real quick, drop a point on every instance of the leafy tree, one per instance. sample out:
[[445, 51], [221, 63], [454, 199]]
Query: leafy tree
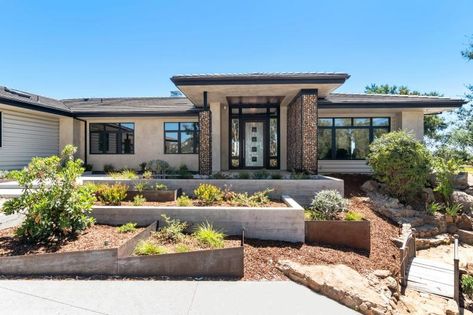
[[53, 203], [433, 124]]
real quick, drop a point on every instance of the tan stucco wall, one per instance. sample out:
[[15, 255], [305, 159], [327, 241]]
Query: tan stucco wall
[[413, 122], [66, 131], [149, 145]]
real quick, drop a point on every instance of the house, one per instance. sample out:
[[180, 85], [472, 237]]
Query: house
[[224, 122]]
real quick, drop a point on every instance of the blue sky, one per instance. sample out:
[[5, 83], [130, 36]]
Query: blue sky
[[130, 48]]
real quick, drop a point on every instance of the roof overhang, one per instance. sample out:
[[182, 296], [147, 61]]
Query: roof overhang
[[283, 85]]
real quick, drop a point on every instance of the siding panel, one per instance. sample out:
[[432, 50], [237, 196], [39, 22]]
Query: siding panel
[[344, 166], [26, 136]]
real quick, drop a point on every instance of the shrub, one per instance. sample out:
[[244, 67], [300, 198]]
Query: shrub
[[161, 186], [310, 214], [353, 216], [147, 174], [140, 186], [108, 168], [53, 203], [302, 175], [3, 174], [184, 172], [259, 198], [467, 285], [433, 208], [401, 162], [328, 203], [182, 248], [453, 209], [261, 174], [244, 175], [88, 167], [144, 248], [184, 201], [127, 228], [208, 236], [172, 230], [139, 200], [124, 174], [220, 175], [208, 194], [276, 176], [112, 194], [158, 166], [143, 167], [445, 171]]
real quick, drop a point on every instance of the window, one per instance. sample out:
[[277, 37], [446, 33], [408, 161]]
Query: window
[[349, 138], [112, 138], [181, 137]]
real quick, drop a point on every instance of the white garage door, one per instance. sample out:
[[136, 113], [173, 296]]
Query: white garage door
[[25, 136]]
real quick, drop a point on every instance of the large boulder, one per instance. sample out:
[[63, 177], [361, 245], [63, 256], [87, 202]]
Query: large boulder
[[464, 199], [462, 180], [464, 222], [370, 186]]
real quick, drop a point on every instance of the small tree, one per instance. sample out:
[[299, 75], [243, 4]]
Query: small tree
[[401, 162], [53, 203]]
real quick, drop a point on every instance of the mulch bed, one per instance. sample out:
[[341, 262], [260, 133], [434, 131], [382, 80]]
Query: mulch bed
[[96, 237], [195, 203], [261, 257]]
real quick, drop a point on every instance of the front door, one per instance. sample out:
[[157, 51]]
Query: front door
[[254, 144]]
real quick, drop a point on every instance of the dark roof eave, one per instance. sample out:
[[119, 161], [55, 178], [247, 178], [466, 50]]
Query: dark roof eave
[[137, 114], [36, 107], [255, 81]]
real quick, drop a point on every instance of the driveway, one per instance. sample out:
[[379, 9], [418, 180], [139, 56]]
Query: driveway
[[162, 297]]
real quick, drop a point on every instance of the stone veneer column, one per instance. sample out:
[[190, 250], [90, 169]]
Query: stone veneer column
[[302, 132], [205, 142]]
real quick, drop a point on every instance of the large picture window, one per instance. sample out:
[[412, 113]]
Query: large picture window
[[181, 137], [349, 138], [112, 138]]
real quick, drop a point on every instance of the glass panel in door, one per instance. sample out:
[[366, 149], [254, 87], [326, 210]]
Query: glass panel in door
[[254, 148]]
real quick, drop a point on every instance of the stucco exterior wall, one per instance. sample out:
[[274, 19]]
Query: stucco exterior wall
[[149, 144], [413, 122]]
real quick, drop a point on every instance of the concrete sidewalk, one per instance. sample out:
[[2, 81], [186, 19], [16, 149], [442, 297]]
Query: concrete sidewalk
[[162, 297]]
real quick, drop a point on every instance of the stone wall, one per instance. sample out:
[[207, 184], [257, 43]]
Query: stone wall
[[205, 143], [302, 132]]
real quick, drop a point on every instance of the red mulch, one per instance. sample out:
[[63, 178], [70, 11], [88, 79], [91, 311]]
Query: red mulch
[[96, 237]]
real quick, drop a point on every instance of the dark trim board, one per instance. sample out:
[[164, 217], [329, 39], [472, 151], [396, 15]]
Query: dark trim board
[[325, 105], [137, 114], [40, 108]]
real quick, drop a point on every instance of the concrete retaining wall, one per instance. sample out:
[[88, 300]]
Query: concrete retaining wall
[[301, 190], [354, 234], [283, 224]]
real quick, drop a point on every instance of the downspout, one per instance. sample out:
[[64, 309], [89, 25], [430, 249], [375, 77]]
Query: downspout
[[85, 139]]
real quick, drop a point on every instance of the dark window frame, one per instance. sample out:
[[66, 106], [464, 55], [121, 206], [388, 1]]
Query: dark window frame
[[195, 132], [105, 134], [333, 129]]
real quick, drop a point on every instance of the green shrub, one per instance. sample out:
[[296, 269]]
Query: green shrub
[[302, 175], [433, 208], [329, 203], [182, 248], [144, 248], [445, 171], [172, 230], [160, 186], [208, 194], [124, 174], [261, 174], [88, 167], [184, 201], [259, 198], [139, 200], [208, 236], [220, 175], [53, 203], [127, 228], [108, 168], [453, 209], [467, 285], [184, 172], [112, 195], [353, 216], [310, 215], [243, 175], [158, 166], [147, 174], [401, 162], [276, 176], [140, 186]]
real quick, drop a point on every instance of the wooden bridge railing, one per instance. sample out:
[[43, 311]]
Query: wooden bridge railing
[[408, 251]]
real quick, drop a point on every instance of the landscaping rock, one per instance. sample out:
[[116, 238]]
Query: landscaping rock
[[437, 240], [452, 308], [469, 191], [464, 199], [380, 273], [370, 186], [465, 236], [340, 283], [428, 195], [464, 222], [462, 180]]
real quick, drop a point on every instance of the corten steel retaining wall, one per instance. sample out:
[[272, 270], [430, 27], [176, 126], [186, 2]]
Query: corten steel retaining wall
[[301, 190], [282, 224], [354, 234], [227, 262]]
